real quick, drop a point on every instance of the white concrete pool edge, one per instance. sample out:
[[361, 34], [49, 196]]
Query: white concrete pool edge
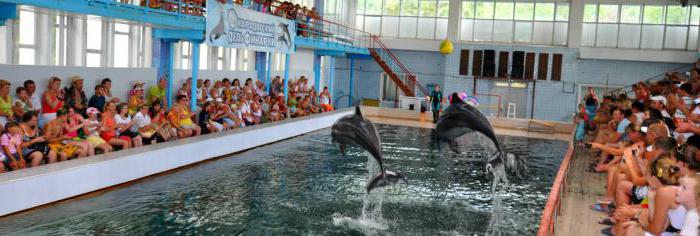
[[29, 188]]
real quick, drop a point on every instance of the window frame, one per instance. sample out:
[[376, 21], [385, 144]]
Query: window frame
[[436, 18], [514, 21], [689, 25]]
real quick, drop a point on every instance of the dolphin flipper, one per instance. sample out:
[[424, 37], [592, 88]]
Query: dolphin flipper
[[385, 178], [342, 148]]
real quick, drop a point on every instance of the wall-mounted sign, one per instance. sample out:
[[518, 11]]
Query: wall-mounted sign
[[230, 25]]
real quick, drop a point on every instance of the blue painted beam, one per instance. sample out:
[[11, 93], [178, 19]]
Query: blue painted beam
[[319, 44], [115, 9], [189, 35], [332, 53], [358, 56], [7, 11]]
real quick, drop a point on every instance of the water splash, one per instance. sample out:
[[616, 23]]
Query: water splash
[[371, 221], [497, 214]]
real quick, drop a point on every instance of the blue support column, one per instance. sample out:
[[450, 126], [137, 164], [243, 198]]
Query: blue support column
[[331, 74], [260, 65], [195, 74], [286, 77], [269, 71], [352, 82], [163, 60], [171, 73], [317, 73]]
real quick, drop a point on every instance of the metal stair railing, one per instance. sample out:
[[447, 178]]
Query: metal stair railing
[[396, 66]]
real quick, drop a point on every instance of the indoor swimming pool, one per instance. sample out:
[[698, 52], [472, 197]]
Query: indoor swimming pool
[[304, 186]]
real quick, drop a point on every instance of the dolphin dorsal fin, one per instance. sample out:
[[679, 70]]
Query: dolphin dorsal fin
[[357, 111], [454, 99]]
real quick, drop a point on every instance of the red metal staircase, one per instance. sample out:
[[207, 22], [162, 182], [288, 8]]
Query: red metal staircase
[[394, 69]]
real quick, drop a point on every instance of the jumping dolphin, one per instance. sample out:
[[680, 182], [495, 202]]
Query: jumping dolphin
[[357, 131], [460, 118], [219, 30], [286, 37]]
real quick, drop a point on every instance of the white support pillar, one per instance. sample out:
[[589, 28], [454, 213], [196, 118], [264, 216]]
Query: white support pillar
[[575, 23], [453, 19], [147, 47], [44, 45], [350, 13], [177, 54], [227, 59], [134, 44], [213, 56], [108, 43], [5, 44], [75, 45], [240, 56]]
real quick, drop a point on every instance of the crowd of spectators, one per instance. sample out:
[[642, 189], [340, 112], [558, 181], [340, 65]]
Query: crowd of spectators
[[647, 143], [305, 17], [62, 123]]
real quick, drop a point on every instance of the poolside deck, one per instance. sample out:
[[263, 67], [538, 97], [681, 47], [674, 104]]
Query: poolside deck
[[502, 126], [582, 189]]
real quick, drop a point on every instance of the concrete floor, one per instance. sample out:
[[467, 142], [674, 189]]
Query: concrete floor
[[582, 190], [425, 122]]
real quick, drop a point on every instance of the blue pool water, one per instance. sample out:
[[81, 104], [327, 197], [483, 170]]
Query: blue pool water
[[303, 186]]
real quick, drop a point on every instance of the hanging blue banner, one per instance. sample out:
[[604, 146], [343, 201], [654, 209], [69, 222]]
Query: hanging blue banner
[[230, 25]]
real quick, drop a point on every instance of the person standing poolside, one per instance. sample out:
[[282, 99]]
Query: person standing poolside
[[591, 103], [436, 102]]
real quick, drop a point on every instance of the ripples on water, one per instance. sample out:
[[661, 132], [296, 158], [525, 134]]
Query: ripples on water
[[304, 186]]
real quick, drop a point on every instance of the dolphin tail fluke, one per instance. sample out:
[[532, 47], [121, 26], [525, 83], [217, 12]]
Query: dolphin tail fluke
[[384, 179], [515, 163], [454, 146]]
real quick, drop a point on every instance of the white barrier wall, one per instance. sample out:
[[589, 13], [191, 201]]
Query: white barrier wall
[[29, 188]]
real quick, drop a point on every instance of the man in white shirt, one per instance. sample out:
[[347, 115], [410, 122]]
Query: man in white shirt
[[33, 96]]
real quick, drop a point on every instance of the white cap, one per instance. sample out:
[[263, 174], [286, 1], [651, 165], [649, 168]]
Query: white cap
[[659, 98], [210, 100], [219, 100]]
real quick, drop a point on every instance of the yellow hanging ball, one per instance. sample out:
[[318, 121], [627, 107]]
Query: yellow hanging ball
[[446, 47]]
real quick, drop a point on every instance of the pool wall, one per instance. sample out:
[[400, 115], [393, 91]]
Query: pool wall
[[29, 188]]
